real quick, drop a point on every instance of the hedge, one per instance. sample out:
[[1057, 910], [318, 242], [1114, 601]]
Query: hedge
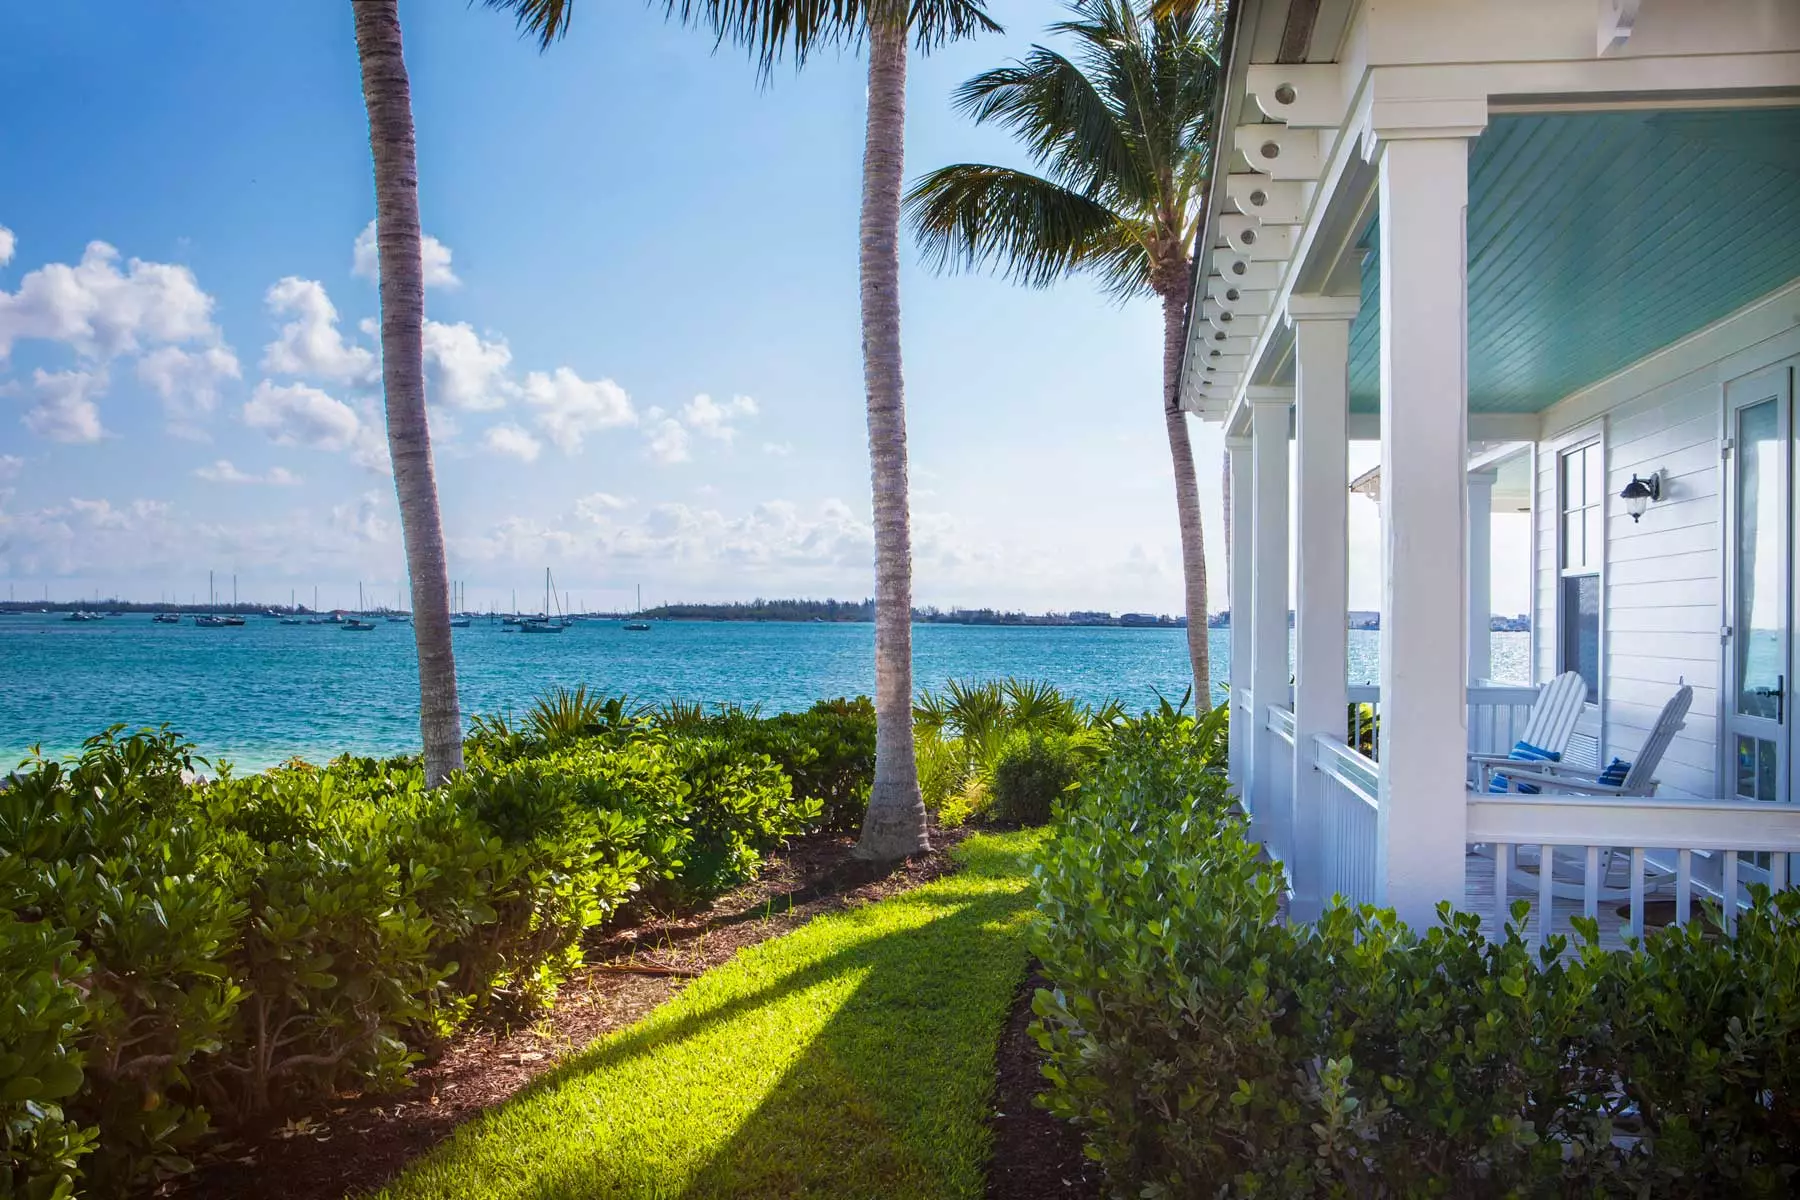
[[177, 953], [1207, 1047]]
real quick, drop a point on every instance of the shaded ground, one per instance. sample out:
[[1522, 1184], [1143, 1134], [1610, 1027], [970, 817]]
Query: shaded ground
[[357, 1143], [1035, 1154], [853, 1058]]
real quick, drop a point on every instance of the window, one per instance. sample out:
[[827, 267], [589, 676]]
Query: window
[[1582, 505]]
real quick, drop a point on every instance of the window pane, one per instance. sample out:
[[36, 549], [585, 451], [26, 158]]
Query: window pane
[[1581, 630], [1595, 538], [1596, 475], [1571, 487], [1761, 566], [1572, 552]]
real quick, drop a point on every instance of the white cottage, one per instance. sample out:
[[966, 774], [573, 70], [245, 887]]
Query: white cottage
[[1554, 243]]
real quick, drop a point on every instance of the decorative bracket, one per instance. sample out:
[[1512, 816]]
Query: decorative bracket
[[1280, 152], [1618, 18], [1300, 95], [1257, 195]]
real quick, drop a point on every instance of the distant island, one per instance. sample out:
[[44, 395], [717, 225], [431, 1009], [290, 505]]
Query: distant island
[[864, 611]]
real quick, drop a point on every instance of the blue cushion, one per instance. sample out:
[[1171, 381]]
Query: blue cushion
[[1523, 752], [1615, 772]]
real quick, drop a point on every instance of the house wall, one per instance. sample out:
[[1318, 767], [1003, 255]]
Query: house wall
[[1662, 578]]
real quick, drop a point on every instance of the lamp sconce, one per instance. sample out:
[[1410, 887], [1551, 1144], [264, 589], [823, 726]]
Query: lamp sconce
[[1640, 493]]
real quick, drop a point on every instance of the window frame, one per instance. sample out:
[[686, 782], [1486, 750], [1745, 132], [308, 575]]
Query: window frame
[[1593, 561]]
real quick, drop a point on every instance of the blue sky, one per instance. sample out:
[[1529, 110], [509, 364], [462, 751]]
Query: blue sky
[[644, 359]]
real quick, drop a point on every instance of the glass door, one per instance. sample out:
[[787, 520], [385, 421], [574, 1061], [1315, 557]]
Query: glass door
[[1760, 746]]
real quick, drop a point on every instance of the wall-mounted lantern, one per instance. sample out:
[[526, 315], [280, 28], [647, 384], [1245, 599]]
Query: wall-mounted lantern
[[1639, 494]]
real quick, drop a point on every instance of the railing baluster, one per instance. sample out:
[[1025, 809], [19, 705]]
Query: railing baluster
[[1590, 884], [1777, 872], [1684, 885], [1729, 892], [1546, 890], [1502, 857], [1637, 893]]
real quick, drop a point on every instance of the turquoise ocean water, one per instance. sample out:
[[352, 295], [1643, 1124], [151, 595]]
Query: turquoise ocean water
[[266, 691]]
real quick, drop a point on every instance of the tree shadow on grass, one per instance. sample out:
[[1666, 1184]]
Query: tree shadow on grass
[[888, 1101], [863, 1072]]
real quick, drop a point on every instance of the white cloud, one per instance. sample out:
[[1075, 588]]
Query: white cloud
[[65, 410], [102, 311], [469, 371], [10, 466], [365, 259], [223, 471], [188, 381], [298, 415], [7, 243], [667, 441], [570, 407], [597, 506], [709, 418], [513, 442], [311, 345], [778, 449]]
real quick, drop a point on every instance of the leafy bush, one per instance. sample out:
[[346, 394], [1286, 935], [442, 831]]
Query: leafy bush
[[961, 735], [1035, 770], [1206, 1047], [41, 975]]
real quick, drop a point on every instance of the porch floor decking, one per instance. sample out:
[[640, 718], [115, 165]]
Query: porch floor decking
[[1478, 897]]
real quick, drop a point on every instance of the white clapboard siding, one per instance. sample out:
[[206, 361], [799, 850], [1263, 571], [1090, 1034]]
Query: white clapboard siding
[[1664, 591]]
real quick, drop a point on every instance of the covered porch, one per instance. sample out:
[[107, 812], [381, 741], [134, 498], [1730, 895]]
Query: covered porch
[[1578, 267]]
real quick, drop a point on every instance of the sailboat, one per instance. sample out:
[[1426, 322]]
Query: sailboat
[[545, 623], [213, 619], [637, 624]]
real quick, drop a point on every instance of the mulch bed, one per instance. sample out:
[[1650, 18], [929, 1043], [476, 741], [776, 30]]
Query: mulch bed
[[1035, 1154], [358, 1142]]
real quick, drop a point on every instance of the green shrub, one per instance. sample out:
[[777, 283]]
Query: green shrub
[[1035, 770], [41, 980], [1206, 1047]]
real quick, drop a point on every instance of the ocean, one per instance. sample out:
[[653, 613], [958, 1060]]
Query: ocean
[[260, 693]]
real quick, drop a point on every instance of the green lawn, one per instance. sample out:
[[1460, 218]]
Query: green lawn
[[852, 1057]]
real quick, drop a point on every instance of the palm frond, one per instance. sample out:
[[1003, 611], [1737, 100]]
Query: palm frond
[[1024, 227], [1068, 126], [544, 20], [773, 30]]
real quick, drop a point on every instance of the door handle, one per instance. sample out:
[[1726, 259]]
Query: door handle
[[1778, 693]]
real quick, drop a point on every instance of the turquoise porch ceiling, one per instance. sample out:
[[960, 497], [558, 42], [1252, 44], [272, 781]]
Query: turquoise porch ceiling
[[1595, 238]]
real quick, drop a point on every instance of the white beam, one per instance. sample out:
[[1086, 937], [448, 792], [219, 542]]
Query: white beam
[[1424, 448], [1321, 569], [1481, 569], [1269, 614], [1241, 571], [1483, 427]]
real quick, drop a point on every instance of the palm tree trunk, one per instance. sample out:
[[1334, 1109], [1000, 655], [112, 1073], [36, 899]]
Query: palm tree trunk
[[894, 826], [388, 96], [1187, 501]]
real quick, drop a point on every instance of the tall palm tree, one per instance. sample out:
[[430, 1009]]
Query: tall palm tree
[[895, 825], [1121, 132], [387, 93]]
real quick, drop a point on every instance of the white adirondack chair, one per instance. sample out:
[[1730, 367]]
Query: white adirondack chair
[[1551, 725], [1555, 779]]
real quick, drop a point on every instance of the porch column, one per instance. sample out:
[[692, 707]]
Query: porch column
[[1269, 612], [1424, 184], [1241, 570], [1321, 569], [1481, 569]]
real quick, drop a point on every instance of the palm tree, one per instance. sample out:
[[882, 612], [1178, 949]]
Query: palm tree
[[1121, 132], [895, 825], [387, 94]]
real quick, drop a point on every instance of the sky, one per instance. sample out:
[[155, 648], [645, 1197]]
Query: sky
[[643, 359]]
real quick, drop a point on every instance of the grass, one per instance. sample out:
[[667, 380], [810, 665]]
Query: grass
[[853, 1057]]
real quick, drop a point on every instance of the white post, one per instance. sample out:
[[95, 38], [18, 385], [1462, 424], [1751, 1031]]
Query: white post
[[1481, 569], [1243, 739], [1424, 185], [1321, 569], [1269, 612]]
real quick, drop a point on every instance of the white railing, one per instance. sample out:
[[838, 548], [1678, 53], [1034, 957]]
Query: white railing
[[1276, 800], [1497, 715], [1608, 857], [1348, 822]]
